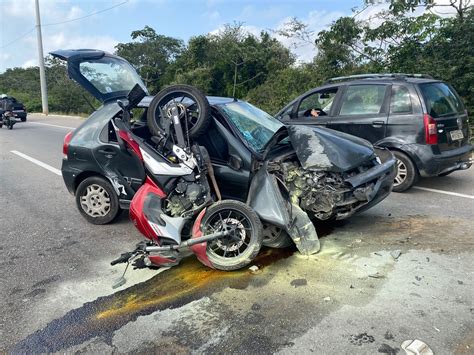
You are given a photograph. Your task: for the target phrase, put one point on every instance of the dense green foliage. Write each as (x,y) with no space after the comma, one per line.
(263,71)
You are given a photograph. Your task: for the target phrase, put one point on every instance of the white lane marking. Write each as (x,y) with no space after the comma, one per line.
(443,192)
(52,125)
(37,162)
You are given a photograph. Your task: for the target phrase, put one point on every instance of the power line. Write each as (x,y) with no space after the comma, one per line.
(62,22)
(16,39)
(86,16)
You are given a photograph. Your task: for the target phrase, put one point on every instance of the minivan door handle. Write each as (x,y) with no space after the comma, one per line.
(377,124)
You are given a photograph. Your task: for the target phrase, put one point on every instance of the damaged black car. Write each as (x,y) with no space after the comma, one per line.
(287,174)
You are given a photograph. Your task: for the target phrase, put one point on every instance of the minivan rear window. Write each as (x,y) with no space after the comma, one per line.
(441,100)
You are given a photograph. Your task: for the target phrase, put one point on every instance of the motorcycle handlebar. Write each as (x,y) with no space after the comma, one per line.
(122,259)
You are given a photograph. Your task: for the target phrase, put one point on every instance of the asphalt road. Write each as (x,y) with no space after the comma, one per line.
(356,296)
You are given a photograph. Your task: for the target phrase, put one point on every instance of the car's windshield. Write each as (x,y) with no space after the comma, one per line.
(110,75)
(256,126)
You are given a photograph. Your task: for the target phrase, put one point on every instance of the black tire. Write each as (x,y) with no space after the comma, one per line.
(1,124)
(404,181)
(275,237)
(198,127)
(10,125)
(247,248)
(98,213)
(23,119)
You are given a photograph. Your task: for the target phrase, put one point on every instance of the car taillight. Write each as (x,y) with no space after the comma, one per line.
(431,136)
(67,140)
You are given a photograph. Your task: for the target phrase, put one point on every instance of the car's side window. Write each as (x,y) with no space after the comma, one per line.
(400,102)
(363,100)
(317,104)
(108,135)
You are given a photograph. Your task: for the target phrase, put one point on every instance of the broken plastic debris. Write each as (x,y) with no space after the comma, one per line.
(395,254)
(327,299)
(416,347)
(253,268)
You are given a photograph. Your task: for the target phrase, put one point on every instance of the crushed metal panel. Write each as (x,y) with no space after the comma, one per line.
(267,201)
(308,148)
(303,233)
(325,149)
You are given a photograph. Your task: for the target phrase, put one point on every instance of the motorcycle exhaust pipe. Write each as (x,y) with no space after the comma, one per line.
(188,243)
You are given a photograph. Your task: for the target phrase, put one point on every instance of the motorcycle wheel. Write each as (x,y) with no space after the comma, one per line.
(10,125)
(243,245)
(193,105)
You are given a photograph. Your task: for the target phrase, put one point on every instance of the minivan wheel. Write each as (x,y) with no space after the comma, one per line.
(406,175)
(97,201)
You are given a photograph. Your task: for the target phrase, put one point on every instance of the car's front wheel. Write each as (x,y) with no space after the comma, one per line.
(407,175)
(97,200)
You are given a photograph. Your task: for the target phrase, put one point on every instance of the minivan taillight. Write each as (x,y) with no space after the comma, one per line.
(431,136)
(67,140)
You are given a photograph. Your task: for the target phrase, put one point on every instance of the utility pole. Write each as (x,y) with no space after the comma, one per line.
(44,92)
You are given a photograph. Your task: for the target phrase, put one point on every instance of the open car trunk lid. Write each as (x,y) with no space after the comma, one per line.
(107,77)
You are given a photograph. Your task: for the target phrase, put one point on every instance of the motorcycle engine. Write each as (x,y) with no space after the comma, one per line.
(186,197)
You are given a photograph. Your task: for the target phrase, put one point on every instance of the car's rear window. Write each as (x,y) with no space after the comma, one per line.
(441,100)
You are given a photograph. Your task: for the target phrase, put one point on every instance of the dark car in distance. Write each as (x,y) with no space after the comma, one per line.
(328,173)
(421,120)
(9,103)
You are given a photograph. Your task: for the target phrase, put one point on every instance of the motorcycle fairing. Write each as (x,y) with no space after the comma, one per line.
(265,197)
(324,149)
(163,167)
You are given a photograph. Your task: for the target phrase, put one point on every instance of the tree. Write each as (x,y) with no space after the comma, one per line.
(152,54)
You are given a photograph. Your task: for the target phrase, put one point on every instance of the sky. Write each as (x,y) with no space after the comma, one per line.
(63,27)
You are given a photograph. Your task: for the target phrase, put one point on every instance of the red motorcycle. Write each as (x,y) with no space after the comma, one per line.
(176,209)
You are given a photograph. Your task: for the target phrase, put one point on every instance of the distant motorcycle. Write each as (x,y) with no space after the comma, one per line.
(7,119)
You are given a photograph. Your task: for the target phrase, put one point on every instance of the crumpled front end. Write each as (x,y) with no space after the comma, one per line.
(269,199)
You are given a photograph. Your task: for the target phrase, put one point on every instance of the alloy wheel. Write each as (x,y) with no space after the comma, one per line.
(402,173)
(95,201)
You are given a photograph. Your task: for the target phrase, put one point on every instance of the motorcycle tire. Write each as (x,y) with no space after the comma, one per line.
(10,125)
(196,128)
(228,253)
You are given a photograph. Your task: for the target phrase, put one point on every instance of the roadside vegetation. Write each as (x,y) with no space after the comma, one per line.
(262,70)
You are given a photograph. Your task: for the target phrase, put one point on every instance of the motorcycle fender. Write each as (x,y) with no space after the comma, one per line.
(200,249)
(138,216)
(267,201)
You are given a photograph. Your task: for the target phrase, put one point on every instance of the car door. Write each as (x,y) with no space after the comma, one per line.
(115,161)
(230,159)
(322,101)
(362,111)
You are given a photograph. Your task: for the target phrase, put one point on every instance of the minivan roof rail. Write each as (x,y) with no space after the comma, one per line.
(378,75)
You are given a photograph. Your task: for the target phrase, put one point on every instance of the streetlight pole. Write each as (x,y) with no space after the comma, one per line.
(44,92)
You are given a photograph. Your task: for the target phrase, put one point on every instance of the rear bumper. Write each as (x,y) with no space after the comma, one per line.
(430,164)
(69,175)
(21,115)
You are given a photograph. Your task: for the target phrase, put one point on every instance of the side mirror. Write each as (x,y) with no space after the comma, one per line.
(235,162)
